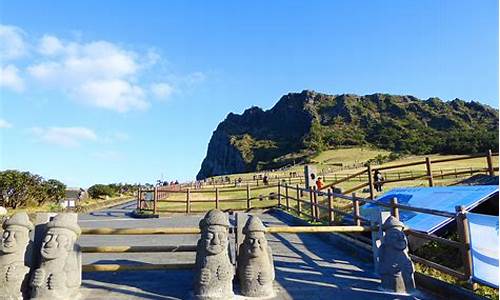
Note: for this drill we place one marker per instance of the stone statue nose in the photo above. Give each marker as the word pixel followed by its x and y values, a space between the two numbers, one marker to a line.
pixel 215 240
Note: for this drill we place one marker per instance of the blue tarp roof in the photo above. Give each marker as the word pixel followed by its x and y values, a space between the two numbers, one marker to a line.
pixel 438 198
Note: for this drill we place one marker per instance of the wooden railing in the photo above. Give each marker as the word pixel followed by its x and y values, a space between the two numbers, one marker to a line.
pixel 213 196
pixel 428 174
pixel 304 202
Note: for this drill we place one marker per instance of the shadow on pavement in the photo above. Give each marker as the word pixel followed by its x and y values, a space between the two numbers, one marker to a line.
pixel 154 284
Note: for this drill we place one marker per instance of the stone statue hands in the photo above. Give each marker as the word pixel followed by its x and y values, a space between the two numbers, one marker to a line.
pixel 264 277
pixel 38 278
pixel 223 273
pixel 249 272
pixel 56 282
pixel 204 276
pixel 13 275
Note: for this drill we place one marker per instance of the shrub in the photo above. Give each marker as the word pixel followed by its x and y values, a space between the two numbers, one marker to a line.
pixel 100 191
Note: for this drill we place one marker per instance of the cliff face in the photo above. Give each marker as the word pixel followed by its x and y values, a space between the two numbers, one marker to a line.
pixel 313 121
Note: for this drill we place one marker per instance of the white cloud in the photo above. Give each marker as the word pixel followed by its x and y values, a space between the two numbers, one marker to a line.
pixel 9 78
pixel 50 45
pixel 5 124
pixel 162 90
pixel 95 73
pixel 99 74
pixel 64 136
pixel 12 44
pixel 115 94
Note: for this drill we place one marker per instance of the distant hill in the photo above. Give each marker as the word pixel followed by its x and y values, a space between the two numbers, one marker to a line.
pixel 308 122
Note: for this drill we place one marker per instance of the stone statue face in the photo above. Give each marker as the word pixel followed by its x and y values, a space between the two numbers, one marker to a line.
pixel 215 239
pixel 58 242
pixel 14 239
pixel 396 239
pixel 256 244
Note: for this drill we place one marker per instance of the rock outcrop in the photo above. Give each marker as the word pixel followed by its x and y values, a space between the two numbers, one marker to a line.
pixel 308 121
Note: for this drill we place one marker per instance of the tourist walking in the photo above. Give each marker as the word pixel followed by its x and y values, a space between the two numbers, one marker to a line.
pixel 378 180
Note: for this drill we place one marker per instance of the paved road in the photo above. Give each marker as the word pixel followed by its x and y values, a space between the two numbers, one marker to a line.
pixel 307 267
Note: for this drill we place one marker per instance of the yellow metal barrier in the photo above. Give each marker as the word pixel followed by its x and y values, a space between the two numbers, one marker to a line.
pixel 141 231
pixel 134 249
pixel 196 230
pixel 317 229
pixel 141 267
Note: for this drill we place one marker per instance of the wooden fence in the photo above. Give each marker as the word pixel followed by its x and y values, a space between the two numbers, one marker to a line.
pixel 366 175
pixel 319 206
pixel 305 203
pixel 212 196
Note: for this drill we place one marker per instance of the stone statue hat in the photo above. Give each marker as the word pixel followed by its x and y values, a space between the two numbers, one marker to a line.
pixel 253 224
pixel 214 217
pixel 67 221
pixel 19 219
pixel 392 222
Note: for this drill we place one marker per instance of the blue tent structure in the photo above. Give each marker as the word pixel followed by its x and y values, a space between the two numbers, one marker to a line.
pixel 437 198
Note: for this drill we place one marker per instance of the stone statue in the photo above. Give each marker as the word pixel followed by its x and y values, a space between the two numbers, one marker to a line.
pixel 396 268
pixel 255 261
pixel 15 253
pixel 60 273
pixel 213 271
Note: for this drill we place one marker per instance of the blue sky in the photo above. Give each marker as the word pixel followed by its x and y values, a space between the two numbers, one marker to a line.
pixel 115 91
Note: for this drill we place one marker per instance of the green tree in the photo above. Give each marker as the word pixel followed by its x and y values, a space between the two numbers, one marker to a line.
pixel 315 139
pixel 100 190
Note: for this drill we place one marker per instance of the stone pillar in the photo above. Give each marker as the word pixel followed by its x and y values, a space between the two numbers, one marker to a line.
pixel 310 176
pixel 15 257
pixel 395 266
pixel 59 274
pixel 255 261
pixel 213 270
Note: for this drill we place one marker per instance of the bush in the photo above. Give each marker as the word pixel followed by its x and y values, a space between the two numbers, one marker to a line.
pixel 100 191
pixel 18 189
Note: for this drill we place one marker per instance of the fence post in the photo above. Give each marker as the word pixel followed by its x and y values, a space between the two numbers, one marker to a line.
pixel 355 210
pixel 298 201
pixel 188 201
pixel 316 207
pixel 155 198
pixel 311 203
pixel 394 208
pixel 139 199
pixel 248 196
pixel 217 198
pixel 370 180
pixel 429 170
pixel 489 159
pixel 463 233
pixel 330 207
pixel 287 201
pixel 279 194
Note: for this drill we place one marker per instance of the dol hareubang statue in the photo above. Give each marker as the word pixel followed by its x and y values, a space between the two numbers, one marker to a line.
pixel 59 274
pixel 15 252
pixel 396 268
pixel 255 261
pixel 213 271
